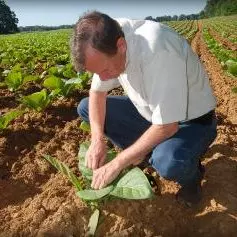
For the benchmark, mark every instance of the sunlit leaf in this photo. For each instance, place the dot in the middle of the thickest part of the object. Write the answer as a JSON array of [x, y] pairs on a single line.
[[8, 117]]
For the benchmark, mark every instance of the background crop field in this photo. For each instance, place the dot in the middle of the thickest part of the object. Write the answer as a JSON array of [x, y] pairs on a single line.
[[35, 200]]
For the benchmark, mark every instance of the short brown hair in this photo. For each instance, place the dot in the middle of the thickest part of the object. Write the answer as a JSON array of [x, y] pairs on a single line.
[[97, 29]]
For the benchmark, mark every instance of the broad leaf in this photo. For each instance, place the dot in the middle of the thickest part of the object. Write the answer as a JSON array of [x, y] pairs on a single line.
[[53, 83], [133, 185], [14, 80], [92, 194], [85, 171], [232, 67], [37, 101]]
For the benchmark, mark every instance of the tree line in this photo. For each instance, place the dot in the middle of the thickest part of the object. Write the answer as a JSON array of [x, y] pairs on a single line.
[[213, 8], [8, 19]]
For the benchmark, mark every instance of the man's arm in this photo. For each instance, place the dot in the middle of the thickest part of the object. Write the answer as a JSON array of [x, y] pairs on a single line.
[[97, 107], [97, 151], [133, 154], [151, 137]]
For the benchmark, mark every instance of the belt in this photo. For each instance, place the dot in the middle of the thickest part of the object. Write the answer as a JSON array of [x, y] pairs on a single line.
[[205, 119]]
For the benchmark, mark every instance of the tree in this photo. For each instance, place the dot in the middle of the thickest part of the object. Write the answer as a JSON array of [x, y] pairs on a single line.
[[8, 20], [220, 8], [150, 18]]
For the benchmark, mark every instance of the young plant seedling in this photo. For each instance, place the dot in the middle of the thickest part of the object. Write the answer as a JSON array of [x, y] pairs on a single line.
[[131, 184]]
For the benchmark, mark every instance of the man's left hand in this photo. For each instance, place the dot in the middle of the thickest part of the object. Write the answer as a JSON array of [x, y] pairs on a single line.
[[105, 174]]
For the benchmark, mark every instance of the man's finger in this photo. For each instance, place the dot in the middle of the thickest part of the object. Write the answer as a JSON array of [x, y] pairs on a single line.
[[95, 182], [94, 163], [101, 162]]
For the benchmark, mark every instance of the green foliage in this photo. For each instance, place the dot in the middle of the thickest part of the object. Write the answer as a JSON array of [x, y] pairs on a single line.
[[85, 126], [226, 57], [53, 82], [8, 20], [86, 172], [37, 101], [220, 8], [65, 170], [65, 87], [56, 83], [8, 117], [232, 66], [91, 194], [15, 78], [93, 222], [132, 184]]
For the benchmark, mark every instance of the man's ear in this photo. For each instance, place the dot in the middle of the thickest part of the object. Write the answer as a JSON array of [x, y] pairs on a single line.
[[121, 45]]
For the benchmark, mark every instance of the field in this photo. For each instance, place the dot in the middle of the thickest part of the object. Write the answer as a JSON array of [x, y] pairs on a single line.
[[36, 200]]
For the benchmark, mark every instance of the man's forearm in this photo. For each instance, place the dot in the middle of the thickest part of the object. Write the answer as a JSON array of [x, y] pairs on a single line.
[[152, 137], [97, 108]]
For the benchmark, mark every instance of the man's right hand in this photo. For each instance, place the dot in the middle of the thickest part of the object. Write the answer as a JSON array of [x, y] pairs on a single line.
[[96, 154]]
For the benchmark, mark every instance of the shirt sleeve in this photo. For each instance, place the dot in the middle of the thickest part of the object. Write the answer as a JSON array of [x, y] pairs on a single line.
[[168, 88], [99, 85]]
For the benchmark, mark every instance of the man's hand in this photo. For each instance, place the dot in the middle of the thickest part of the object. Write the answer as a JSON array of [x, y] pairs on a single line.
[[95, 156], [105, 174]]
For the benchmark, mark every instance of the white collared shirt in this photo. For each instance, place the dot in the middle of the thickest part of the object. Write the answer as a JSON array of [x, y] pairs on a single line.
[[164, 78]]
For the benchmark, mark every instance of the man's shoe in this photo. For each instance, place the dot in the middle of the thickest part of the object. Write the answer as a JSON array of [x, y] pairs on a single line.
[[190, 195]]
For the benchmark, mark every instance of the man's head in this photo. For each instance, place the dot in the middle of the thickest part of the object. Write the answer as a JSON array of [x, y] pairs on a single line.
[[98, 45]]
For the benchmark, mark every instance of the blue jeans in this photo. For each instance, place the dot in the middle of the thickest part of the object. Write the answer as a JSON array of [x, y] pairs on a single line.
[[177, 158]]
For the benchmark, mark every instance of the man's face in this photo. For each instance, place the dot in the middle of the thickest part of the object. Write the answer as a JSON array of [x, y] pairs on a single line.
[[106, 66]]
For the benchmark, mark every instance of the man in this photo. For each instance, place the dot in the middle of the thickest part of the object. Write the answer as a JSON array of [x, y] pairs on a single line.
[[168, 113]]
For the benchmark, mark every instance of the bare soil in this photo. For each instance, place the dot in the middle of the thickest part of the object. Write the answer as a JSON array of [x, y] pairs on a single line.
[[37, 201]]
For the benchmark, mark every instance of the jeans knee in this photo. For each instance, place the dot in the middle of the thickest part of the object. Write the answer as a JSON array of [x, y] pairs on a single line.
[[83, 109], [172, 166]]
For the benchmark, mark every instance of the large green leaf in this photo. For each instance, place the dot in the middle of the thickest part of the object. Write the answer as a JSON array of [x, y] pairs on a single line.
[[14, 80], [53, 82], [8, 117], [92, 194], [232, 67], [133, 185], [85, 171], [37, 100]]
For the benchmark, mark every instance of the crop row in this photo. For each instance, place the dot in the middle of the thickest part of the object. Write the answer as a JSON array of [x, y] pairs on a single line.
[[186, 28], [39, 59], [226, 57], [225, 26]]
